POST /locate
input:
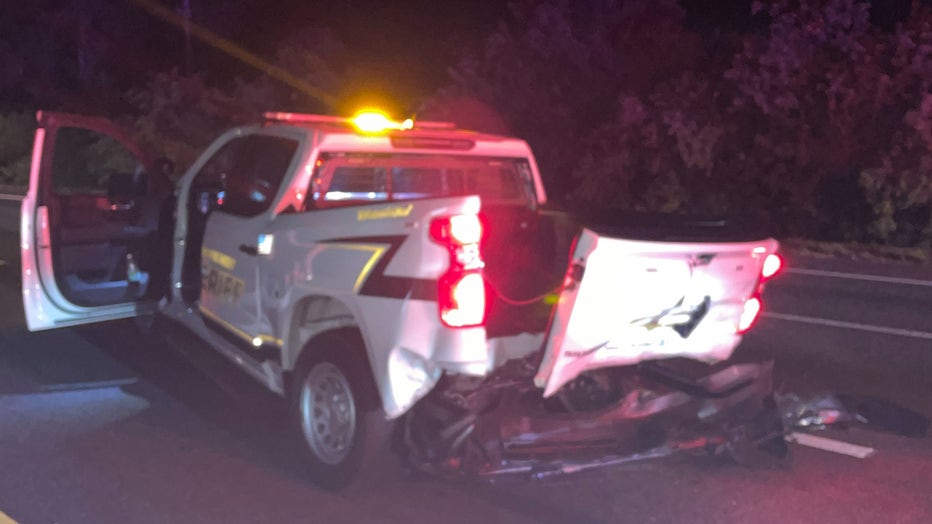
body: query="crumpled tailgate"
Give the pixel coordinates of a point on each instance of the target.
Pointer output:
(627, 301)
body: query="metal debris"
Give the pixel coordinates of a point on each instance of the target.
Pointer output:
(830, 444)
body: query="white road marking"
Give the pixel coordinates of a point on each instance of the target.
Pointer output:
(855, 276)
(829, 444)
(849, 325)
(10, 197)
(5, 519)
(78, 386)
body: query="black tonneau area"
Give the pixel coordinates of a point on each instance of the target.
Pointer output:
(526, 253)
(668, 227)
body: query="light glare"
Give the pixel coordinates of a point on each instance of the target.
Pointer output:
(466, 229)
(772, 265)
(751, 309)
(373, 122)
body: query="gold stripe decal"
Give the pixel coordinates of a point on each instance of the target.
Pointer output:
(384, 212)
(266, 339)
(377, 252)
(376, 255)
(221, 259)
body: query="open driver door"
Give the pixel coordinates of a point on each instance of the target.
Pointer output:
(94, 225)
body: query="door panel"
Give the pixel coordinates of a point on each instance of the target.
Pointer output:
(229, 265)
(97, 251)
(226, 207)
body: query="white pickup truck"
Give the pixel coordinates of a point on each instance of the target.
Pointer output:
(359, 265)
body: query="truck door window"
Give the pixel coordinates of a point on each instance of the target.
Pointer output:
(259, 164)
(241, 178)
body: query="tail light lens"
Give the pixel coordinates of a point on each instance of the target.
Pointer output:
(461, 290)
(772, 265)
(749, 315)
(462, 300)
(457, 230)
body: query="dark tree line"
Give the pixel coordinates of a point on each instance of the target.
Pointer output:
(811, 116)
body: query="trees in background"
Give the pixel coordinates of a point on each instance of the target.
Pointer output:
(813, 118)
(817, 124)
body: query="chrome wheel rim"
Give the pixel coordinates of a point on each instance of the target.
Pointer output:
(328, 413)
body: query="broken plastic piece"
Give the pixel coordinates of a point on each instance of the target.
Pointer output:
(829, 409)
(829, 444)
(809, 413)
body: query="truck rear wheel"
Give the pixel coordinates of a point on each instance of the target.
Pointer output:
(330, 404)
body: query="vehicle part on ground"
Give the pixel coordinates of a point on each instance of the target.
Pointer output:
(506, 427)
(822, 410)
(813, 412)
(831, 445)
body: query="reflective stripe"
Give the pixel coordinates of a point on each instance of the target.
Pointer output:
(221, 259)
(266, 339)
(376, 251)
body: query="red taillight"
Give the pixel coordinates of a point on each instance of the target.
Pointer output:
(457, 229)
(461, 290)
(749, 315)
(462, 299)
(772, 265)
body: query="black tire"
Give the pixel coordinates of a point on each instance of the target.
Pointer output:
(333, 408)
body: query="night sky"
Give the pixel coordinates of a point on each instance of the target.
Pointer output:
(402, 48)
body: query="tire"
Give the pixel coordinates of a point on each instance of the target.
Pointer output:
(332, 409)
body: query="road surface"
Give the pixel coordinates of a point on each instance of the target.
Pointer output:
(100, 425)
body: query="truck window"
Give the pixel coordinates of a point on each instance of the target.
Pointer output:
(353, 178)
(243, 177)
(357, 183)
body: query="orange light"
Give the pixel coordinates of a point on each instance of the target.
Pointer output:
(750, 313)
(371, 122)
(378, 122)
(772, 265)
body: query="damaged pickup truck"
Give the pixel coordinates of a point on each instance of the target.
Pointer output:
(369, 270)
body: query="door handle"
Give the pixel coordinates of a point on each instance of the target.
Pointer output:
(126, 206)
(249, 250)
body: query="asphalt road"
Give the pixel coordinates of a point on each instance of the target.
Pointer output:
(100, 425)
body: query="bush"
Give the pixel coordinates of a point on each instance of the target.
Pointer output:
(16, 134)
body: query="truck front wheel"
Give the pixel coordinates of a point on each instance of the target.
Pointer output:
(330, 410)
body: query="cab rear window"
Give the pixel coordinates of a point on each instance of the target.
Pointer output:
(353, 179)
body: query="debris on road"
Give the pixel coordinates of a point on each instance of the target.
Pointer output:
(657, 409)
(829, 409)
(830, 444)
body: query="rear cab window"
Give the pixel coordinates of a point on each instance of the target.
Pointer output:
(343, 179)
